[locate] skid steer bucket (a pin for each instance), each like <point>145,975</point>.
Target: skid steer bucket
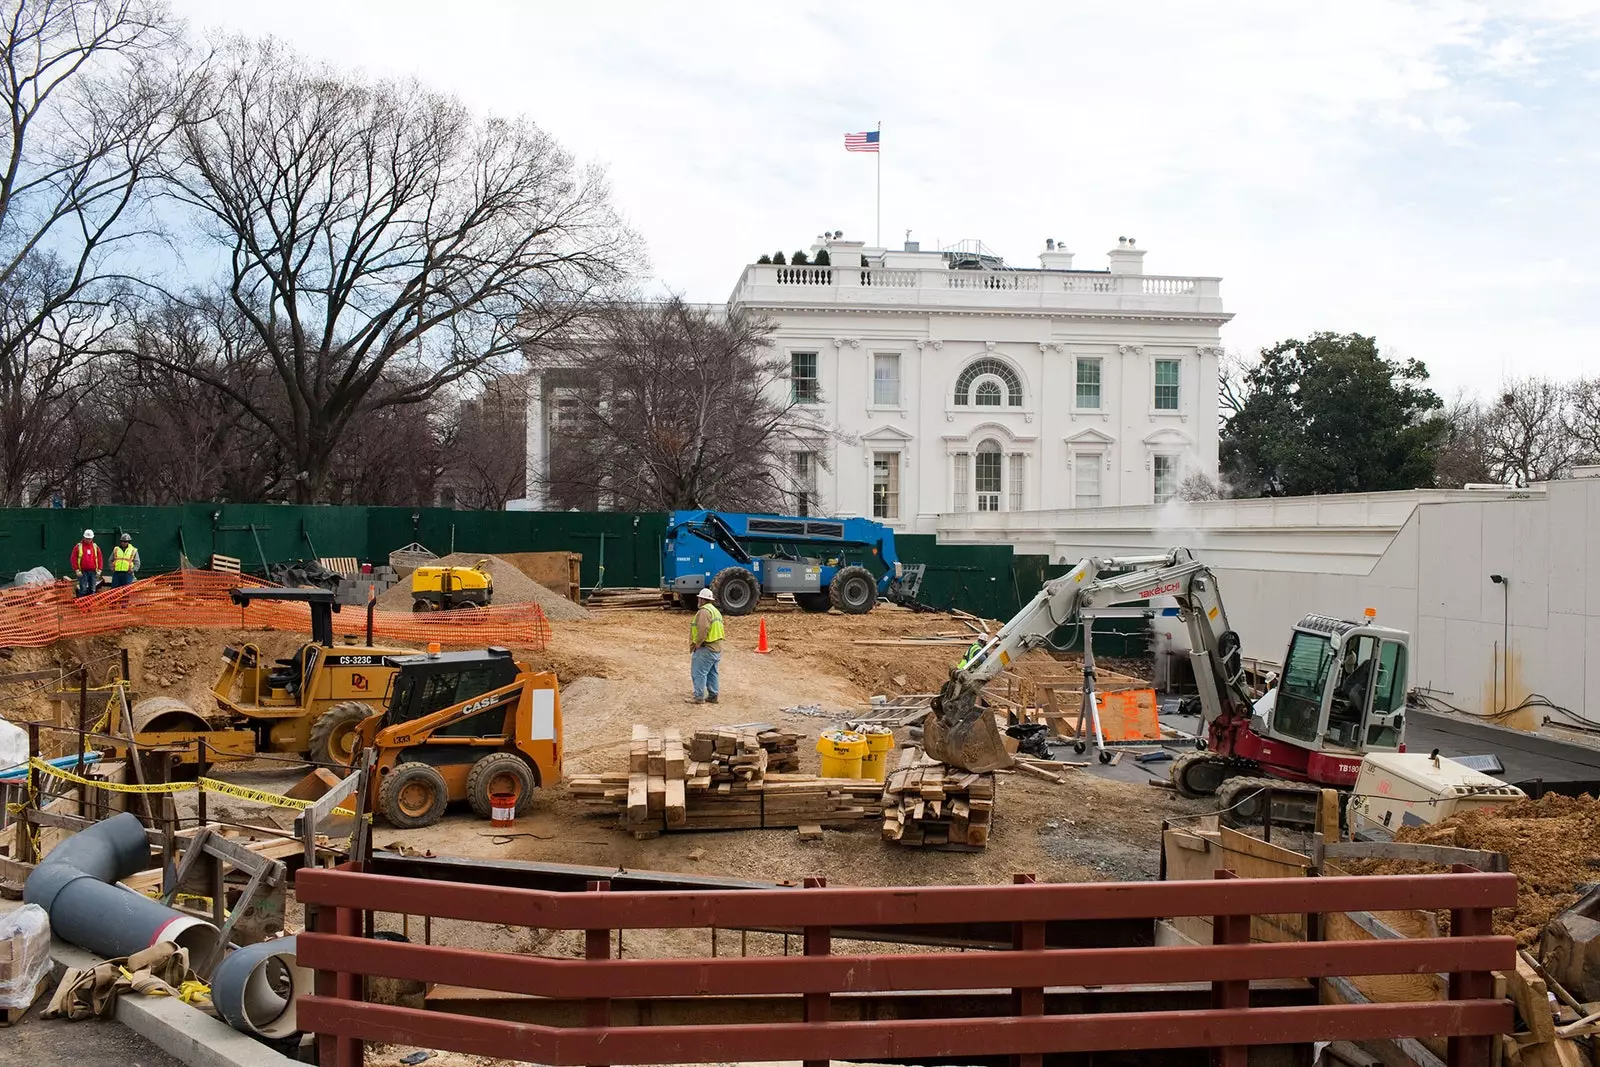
<point>960,731</point>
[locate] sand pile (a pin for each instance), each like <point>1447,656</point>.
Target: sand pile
<point>511,586</point>
<point>1553,845</point>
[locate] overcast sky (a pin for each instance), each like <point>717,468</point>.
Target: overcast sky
<point>1428,173</point>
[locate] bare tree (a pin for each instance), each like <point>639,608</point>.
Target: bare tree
<point>675,406</point>
<point>484,442</point>
<point>89,110</point>
<point>1528,431</point>
<point>382,242</point>
<point>1463,455</point>
<point>1583,419</point>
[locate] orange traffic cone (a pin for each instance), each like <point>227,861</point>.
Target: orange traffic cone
<point>761,638</point>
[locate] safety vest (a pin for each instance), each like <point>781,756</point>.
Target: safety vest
<point>85,557</point>
<point>972,654</point>
<point>122,557</point>
<point>714,632</point>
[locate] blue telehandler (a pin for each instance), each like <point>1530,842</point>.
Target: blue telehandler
<point>821,561</point>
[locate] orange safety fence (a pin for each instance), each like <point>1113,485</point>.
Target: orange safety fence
<point>194,599</point>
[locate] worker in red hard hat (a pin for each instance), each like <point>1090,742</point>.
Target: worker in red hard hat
<point>85,563</point>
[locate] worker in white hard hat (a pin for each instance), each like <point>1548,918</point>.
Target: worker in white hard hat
<point>124,561</point>
<point>705,649</point>
<point>85,563</point>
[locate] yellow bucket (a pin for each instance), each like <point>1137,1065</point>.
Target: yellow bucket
<point>841,752</point>
<point>880,742</point>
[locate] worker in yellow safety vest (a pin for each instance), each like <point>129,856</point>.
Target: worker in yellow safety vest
<point>124,562</point>
<point>705,650</point>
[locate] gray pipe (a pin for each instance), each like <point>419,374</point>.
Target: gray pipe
<point>75,883</point>
<point>246,987</point>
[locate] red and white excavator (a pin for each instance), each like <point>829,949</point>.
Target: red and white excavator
<point>1341,692</point>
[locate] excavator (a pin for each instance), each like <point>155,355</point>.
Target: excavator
<point>1341,692</point>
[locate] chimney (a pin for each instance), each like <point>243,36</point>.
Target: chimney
<point>1126,258</point>
<point>841,252</point>
<point>1055,255</point>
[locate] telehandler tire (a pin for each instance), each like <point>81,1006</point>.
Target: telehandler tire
<point>333,735</point>
<point>413,796</point>
<point>499,772</point>
<point>736,591</point>
<point>853,590</point>
<point>813,602</point>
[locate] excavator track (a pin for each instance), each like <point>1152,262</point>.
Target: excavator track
<point>1242,802</point>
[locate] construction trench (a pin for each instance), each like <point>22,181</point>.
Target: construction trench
<point>693,889</point>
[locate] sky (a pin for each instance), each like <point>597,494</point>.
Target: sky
<point>1428,173</point>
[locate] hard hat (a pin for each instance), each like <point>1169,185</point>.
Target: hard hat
<point>88,535</point>
<point>126,537</point>
<point>707,594</point>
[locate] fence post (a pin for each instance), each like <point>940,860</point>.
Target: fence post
<point>818,942</point>
<point>1230,930</point>
<point>200,770</point>
<point>26,852</point>
<point>1027,937</point>
<point>597,946</point>
<point>83,739</point>
<point>1477,1049</point>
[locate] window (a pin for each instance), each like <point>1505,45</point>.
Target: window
<point>959,472</point>
<point>1015,503</point>
<point>1086,480</point>
<point>1089,384</point>
<point>1166,468</point>
<point>1007,382</point>
<point>886,379</point>
<point>803,377</point>
<point>1298,711</point>
<point>886,485</point>
<point>988,394</point>
<point>804,469</point>
<point>986,476</point>
<point>1167,384</point>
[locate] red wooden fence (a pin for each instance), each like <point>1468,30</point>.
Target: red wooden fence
<point>340,955</point>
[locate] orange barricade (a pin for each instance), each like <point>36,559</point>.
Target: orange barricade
<point>1129,715</point>
<point>195,599</point>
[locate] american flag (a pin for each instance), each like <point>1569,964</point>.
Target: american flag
<point>861,142</point>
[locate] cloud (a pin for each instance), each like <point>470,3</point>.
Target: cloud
<point>1384,167</point>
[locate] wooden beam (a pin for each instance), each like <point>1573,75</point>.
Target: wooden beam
<point>1442,855</point>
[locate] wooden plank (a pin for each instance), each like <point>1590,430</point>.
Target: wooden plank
<point>638,799</point>
<point>676,808</point>
<point>1039,772</point>
<point>1399,1052</point>
<point>1394,850</point>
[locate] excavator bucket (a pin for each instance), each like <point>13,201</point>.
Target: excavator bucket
<point>960,731</point>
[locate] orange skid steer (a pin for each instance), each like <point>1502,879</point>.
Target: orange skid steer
<point>467,726</point>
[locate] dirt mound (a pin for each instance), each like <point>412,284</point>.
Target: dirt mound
<point>1552,844</point>
<point>511,586</point>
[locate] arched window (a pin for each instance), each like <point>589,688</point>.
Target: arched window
<point>986,474</point>
<point>993,379</point>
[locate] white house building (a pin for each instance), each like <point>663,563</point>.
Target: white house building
<point>947,382</point>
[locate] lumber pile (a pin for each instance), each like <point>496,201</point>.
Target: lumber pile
<point>927,804</point>
<point>725,778</point>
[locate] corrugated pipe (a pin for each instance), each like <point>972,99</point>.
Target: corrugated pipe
<point>249,988</point>
<point>75,883</point>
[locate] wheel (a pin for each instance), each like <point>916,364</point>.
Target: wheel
<point>1199,744</point>
<point>687,601</point>
<point>853,590</point>
<point>333,735</point>
<point>1105,756</point>
<point>413,796</point>
<point>500,772</point>
<point>813,602</point>
<point>736,590</point>
<point>420,604</point>
<point>1198,775</point>
<point>1080,747</point>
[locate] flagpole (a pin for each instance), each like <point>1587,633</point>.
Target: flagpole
<point>878,219</point>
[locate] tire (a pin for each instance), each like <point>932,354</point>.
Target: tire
<point>736,591</point>
<point>1105,755</point>
<point>421,605</point>
<point>333,734</point>
<point>500,772</point>
<point>853,590</point>
<point>413,796</point>
<point>1197,774</point>
<point>816,603</point>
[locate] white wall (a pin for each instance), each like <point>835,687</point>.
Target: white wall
<point>1421,559</point>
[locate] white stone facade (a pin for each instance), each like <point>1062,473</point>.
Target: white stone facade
<point>948,382</point>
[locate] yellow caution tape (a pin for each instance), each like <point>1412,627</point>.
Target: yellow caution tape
<point>193,991</point>
<point>116,787</point>
<point>261,797</point>
<point>214,785</point>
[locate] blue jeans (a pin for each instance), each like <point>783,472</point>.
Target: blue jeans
<point>703,672</point>
<point>121,578</point>
<point>86,583</point>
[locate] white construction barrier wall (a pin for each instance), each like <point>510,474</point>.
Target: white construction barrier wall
<point>1422,559</point>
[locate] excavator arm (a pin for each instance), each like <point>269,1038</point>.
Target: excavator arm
<point>962,732</point>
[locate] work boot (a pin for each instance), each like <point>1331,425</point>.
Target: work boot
<point>712,699</point>
<point>693,700</point>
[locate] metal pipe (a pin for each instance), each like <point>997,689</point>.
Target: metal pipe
<point>75,883</point>
<point>246,988</point>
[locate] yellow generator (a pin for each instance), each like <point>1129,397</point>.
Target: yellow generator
<point>309,704</point>
<point>443,588</point>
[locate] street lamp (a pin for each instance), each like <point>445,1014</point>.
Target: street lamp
<point>1505,638</point>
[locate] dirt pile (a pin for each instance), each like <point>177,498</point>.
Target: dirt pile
<point>511,586</point>
<point>1552,844</point>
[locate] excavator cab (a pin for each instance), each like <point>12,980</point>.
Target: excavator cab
<point>1342,688</point>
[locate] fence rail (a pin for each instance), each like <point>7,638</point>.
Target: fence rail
<point>335,948</point>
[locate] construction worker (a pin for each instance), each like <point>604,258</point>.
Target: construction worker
<point>85,563</point>
<point>124,562</point>
<point>705,650</point>
<point>972,654</point>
